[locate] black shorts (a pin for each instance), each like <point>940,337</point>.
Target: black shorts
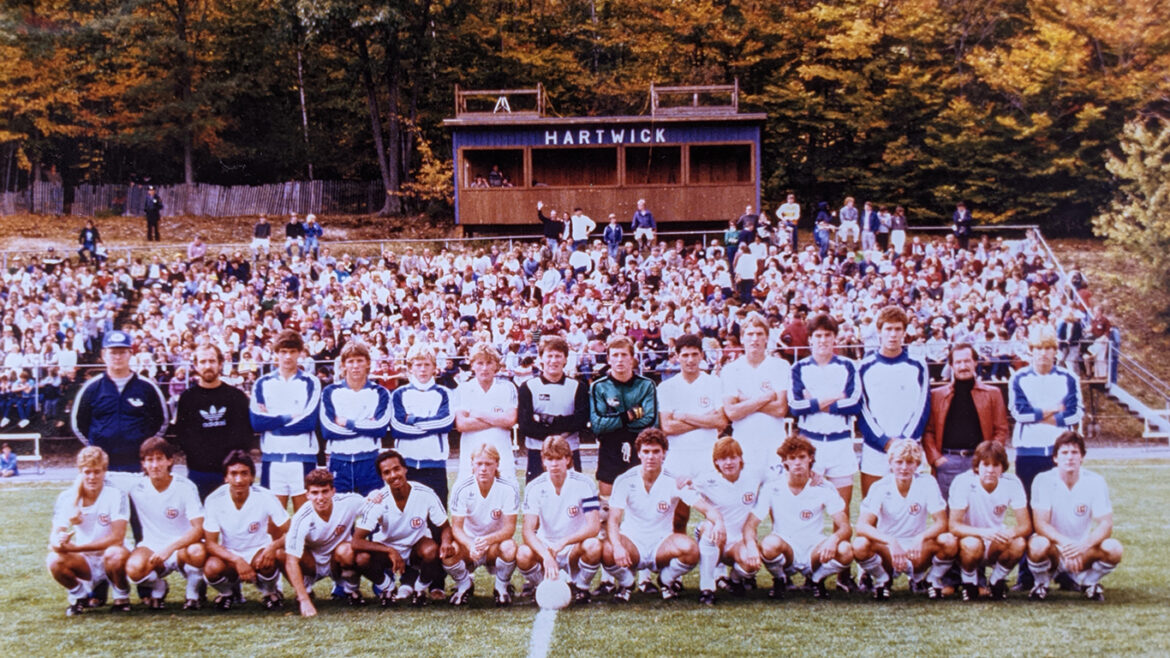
<point>615,455</point>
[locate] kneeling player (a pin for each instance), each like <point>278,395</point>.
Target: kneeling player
<point>641,518</point>
<point>400,512</point>
<point>89,526</point>
<point>980,498</point>
<point>483,520</point>
<point>733,492</point>
<point>1066,502</point>
<point>893,533</point>
<point>562,518</point>
<point>318,541</point>
<point>172,527</point>
<point>798,509</point>
<point>244,531</point>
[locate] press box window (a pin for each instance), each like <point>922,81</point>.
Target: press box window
<point>725,163</point>
<point>479,162</point>
<point>653,165</point>
<point>574,167</point>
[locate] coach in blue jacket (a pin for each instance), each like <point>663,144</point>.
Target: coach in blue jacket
<point>118,410</point>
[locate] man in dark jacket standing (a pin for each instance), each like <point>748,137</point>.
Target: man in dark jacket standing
<point>153,209</point>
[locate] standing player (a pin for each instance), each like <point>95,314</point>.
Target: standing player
<point>562,520</point>
<point>1074,523</point>
<point>318,541</point>
<point>895,396</point>
<point>798,509</point>
<point>640,533</point>
<point>692,415</point>
<point>755,397</point>
<point>552,405</point>
<point>733,492</point>
<point>172,528</point>
<point>392,533</point>
<point>284,410</point>
<point>483,519</point>
<point>623,404</point>
<point>980,498</point>
<point>825,395</point>
<point>89,526</point>
<point>355,415</point>
<point>485,411</point>
<point>422,418</point>
<point>902,527</point>
<point>244,532</point>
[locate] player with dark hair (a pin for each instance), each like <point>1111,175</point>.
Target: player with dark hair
<point>318,541</point>
<point>355,414</point>
<point>552,404</point>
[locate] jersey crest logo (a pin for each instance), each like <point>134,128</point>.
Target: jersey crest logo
<point>1000,509</point>
<point>213,416</point>
<point>103,519</point>
<point>915,508</point>
<point>497,410</point>
<point>574,511</point>
<point>135,402</point>
<point>497,514</point>
<point>806,515</point>
<point>613,402</point>
<point>544,397</point>
<point>416,522</point>
<point>1081,510</point>
<point>172,513</point>
<point>749,498</point>
<point>663,506</point>
<point>766,386</point>
<point>338,531</point>
<point>704,402</point>
<point>254,527</point>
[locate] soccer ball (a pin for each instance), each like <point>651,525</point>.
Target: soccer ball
<point>553,594</point>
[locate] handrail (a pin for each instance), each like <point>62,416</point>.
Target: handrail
<point>1143,375</point>
<point>1068,289</point>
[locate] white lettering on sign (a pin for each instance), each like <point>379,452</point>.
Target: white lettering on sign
<point>568,137</point>
<point>583,137</point>
<point>645,135</point>
<point>617,136</point>
<point>598,136</point>
<point>550,137</point>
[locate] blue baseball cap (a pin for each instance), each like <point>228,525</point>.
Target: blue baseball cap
<point>117,339</point>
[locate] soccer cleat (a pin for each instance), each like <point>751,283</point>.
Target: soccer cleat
<point>866,584</point>
<point>648,587</point>
<point>999,590</point>
<point>192,604</point>
<point>970,592</point>
<point>1095,592</point>
<point>420,598</point>
<point>97,597</point>
<point>750,584</point>
<point>819,590</point>
<point>707,597</point>
<point>603,588</point>
<point>845,583</point>
<point>622,595</point>
<point>403,594</point>
<point>120,605</point>
<point>1038,593</point>
<point>338,593</point>
<point>387,598</point>
<point>779,587</point>
<point>436,594</point>
<point>224,601</point>
<point>503,598</point>
<point>881,592</point>
<point>238,594</point>
<point>581,595</point>
<point>272,602</point>
<point>75,609</point>
<point>934,593</point>
<point>463,596</point>
<point>669,591</point>
<point>722,584</point>
<point>355,599</point>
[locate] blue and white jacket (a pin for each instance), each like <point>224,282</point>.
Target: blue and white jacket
<point>1030,393</point>
<point>284,411</point>
<point>422,417</point>
<point>838,376</point>
<point>895,398</point>
<point>366,412</point>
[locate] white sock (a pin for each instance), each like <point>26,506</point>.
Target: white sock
<point>873,567</point>
<point>644,576</point>
<point>349,581</point>
<point>118,592</point>
<point>534,575</point>
<point>387,583</point>
<point>775,566</point>
<point>1097,571</point>
<point>675,570</point>
<point>738,573</point>
<point>708,564</point>
<point>504,571</point>
<point>459,574</point>
<point>194,578</point>
<point>1041,571</point>
<point>148,579</point>
<point>970,577</point>
<point>267,585</point>
<point>999,572</point>
<point>78,591</point>
<point>223,585</point>
<point>159,588</point>
<point>585,573</point>
<point>622,576</point>
<point>827,569</point>
<point>938,568</point>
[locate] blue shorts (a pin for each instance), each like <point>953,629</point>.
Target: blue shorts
<point>359,476</point>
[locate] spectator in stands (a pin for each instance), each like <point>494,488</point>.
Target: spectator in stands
<point>850,231</point>
<point>153,209</point>
<point>313,233</point>
<point>294,236</point>
<point>747,226</point>
<point>869,227</point>
<point>885,220</point>
<point>613,237</point>
<point>824,227</point>
<point>898,226</point>
<point>495,177</point>
<point>9,465</point>
<point>643,225</point>
<point>962,222</point>
<point>261,238</point>
<point>197,250</point>
<point>89,239</point>
<point>789,216</point>
<point>554,228</point>
<point>580,225</point>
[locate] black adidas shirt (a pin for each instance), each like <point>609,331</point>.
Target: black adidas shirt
<point>210,423</point>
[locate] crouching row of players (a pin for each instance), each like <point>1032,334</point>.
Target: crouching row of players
<point>402,540</point>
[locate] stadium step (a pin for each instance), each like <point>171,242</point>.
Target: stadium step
<point>1156,421</point>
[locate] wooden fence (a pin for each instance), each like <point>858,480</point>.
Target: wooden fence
<point>41,199</point>
<point>303,197</point>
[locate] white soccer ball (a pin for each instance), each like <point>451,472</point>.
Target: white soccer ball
<point>553,594</point>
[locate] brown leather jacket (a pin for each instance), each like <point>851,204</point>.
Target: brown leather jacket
<point>989,405</point>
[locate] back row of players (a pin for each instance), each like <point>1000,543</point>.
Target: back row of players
<point>648,479</point>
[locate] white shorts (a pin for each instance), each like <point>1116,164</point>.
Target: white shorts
<point>247,554</point>
<point>847,229</point>
<point>261,243</point>
<point>647,550</point>
<point>687,462</point>
<point>835,459</point>
<point>802,548</point>
<point>321,569</point>
<point>97,570</point>
<point>647,233</point>
<point>172,563</point>
<point>286,478</point>
<point>733,536</point>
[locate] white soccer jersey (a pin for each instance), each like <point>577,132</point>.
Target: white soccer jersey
<point>501,397</point>
<point>402,528</point>
<point>798,517</point>
<point>759,433</point>
<point>308,531</point>
<point>986,509</point>
<point>701,396</point>
<point>1073,510</point>
<point>95,520</point>
<point>483,515</point>
<point>244,528</point>
<point>561,514</point>
<point>734,500</point>
<point>647,514</point>
<point>904,516</point>
<point>165,515</point>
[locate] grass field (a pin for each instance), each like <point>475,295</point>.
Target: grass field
<point>1132,620</point>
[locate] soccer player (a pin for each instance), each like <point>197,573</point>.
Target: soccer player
<point>485,411</point>
<point>562,519</point>
<point>355,415</point>
<point>798,509</point>
<point>895,390</point>
<point>980,498</point>
<point>1045,401</point>
<point>733,492</point>
<point>755,397</point>
<point>691,412</point>
<point>640,533</point>
<point>89,526</point>
<point>284,409</point>
<point>902,527</point>
<point>422,418</point>
<point>318,541</point>
<point>1073,520</point>
<point>392,533</point>
<point>172,528</point>
<point>244,531</point>
<point>483,519</point>
<point>552,405</point>
<point>622,404</point>
<point>825,395</point>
